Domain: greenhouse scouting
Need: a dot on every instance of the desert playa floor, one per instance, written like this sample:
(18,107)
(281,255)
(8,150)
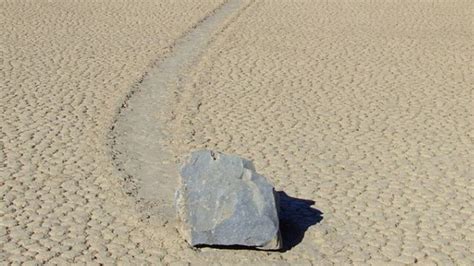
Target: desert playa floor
(363,107)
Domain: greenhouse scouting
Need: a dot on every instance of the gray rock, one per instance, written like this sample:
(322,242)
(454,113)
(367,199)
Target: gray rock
(222,201)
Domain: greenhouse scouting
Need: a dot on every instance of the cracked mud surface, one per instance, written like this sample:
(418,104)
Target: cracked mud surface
(66,69)
(362,107)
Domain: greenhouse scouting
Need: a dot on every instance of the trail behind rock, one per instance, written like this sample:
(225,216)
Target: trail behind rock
(137,136)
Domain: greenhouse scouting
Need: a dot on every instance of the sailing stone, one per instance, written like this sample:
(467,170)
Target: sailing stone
(222,201)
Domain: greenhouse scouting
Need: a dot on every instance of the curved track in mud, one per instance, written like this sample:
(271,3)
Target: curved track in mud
(137,135)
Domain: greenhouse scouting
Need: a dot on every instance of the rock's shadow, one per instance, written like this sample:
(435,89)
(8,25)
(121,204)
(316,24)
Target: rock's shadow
(296,216)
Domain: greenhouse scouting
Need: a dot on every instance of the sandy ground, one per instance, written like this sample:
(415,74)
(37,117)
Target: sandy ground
(362,107)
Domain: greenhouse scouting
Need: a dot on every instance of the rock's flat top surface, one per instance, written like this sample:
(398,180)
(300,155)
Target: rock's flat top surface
(223,201)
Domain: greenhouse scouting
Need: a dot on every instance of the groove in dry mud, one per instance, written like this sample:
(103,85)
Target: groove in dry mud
(136,137)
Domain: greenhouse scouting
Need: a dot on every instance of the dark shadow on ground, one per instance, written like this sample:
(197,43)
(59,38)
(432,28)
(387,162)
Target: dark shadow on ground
(296,216)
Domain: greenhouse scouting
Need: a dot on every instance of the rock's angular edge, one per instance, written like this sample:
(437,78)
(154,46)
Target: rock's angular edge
(222,201)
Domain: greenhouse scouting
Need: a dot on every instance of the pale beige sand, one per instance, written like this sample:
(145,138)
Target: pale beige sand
(360,106)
